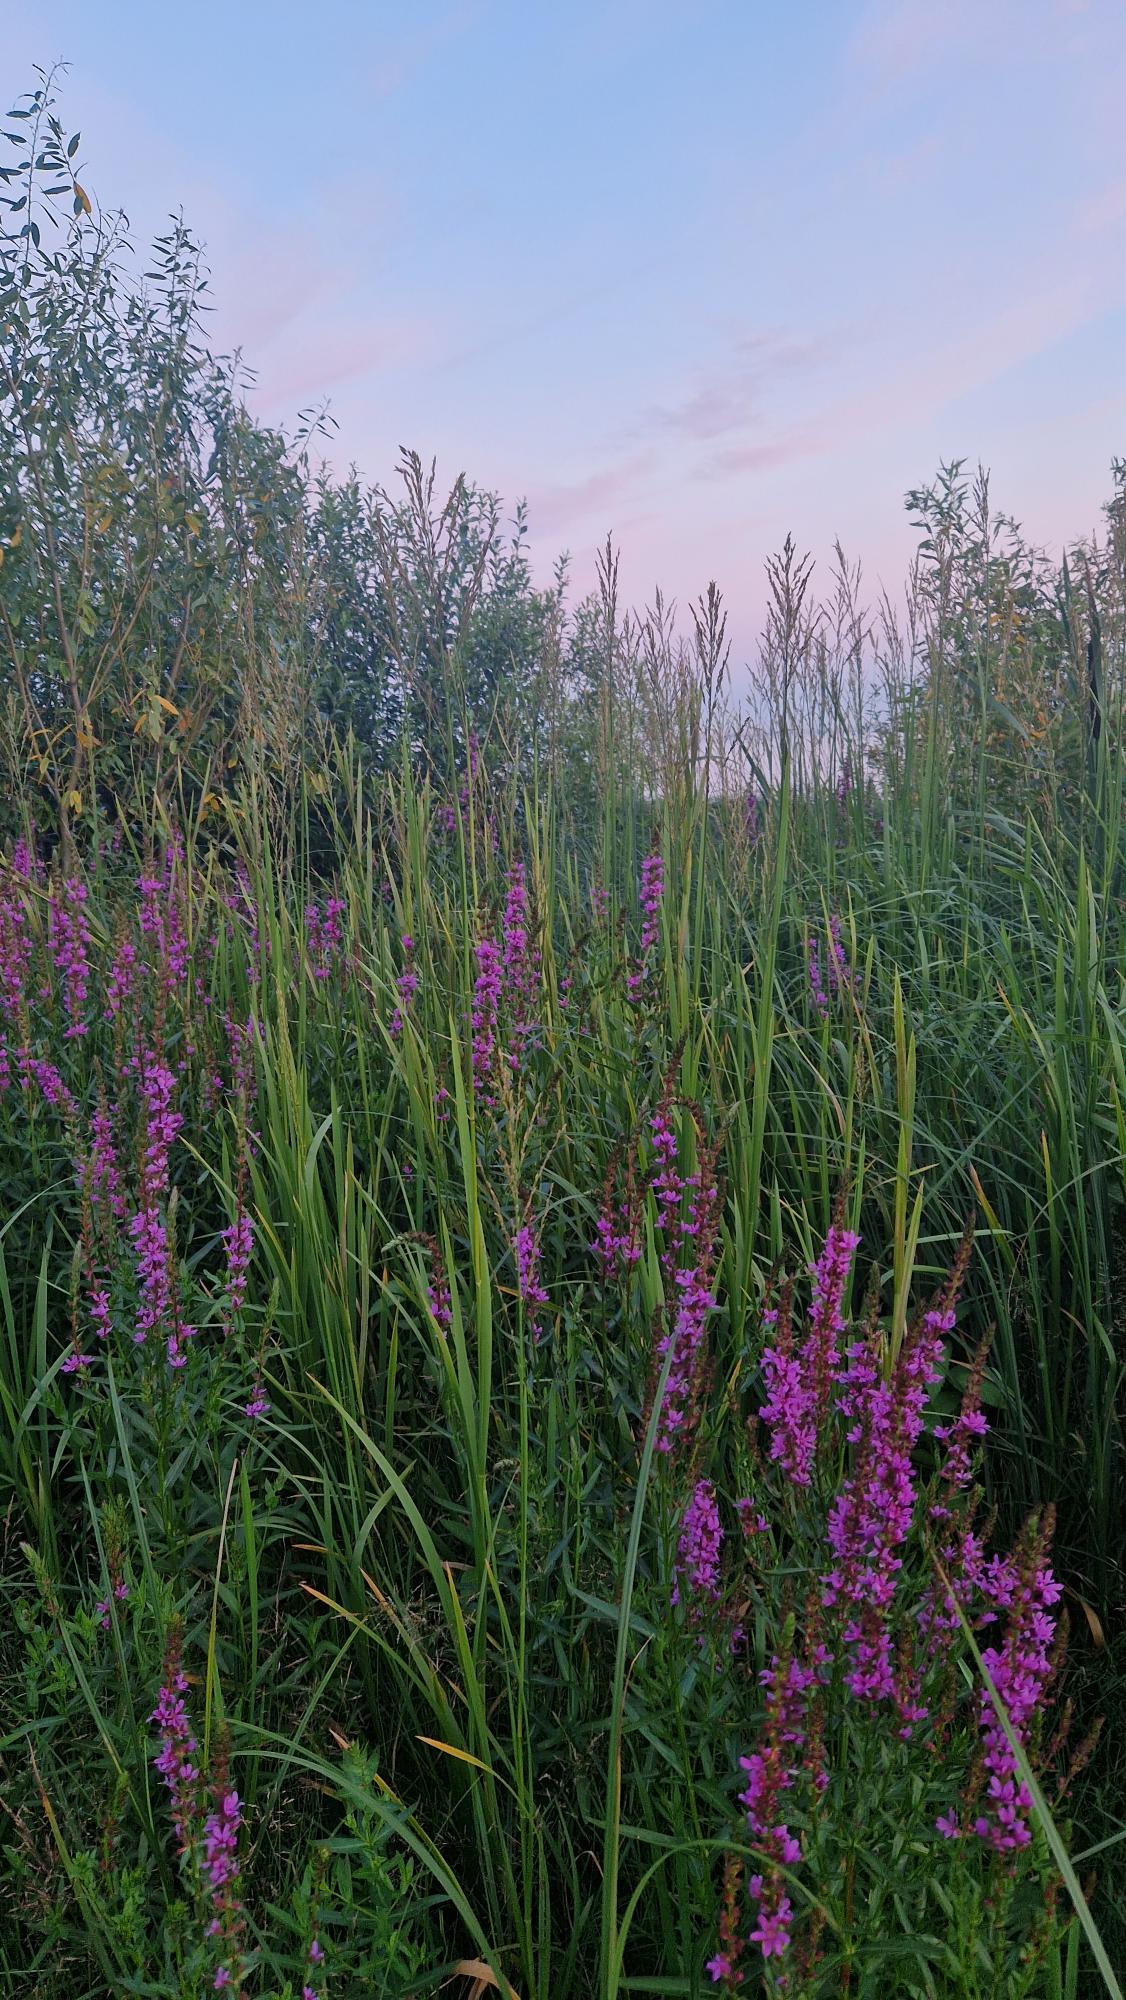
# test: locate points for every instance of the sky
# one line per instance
(696, 273)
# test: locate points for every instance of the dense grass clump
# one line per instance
(561, 1419)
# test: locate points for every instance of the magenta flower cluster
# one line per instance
(69, 934)
(238, 1243)
(406, 986)
(532, 1293)
(799, 1381)
(161, 918)
(817, 991)
(324, 936)
(770, 1771)
(651, 897)
(699, 1547)
(174, 1758)
(883, 1642)
(487, 990)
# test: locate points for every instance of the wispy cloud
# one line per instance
(896, 39)
(557, 507)
(402, 61)
(319, 356)
(737, 393)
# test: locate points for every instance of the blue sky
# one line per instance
(696, 273)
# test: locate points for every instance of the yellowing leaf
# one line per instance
(74, 801)
(483, 1978)
(1094, 1624)
(80, 195)
(451, 1750)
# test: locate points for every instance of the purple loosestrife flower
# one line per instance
(724, 1967)
(176, 1344)
(151, 1253)
(694, 1303)
(316, 1961)
(406, 986)
(652, 896)
(962, 1438)
(162, 919)
(77, 1363)
(700, 1545)
(531, 1290)
(438, 1299)
(772, 1770)
(122, 982)
(486, 998)
(788, 1409)
(54, 1091)
(1020, 1670)
(220, 1868)
(840, 976)
(240, 1055)
(830, 1276)
(872, 1515)
(162, 1124)
(69, 936)
(177, 1746)
(799, 1385)
(102, 1607)
(238, 1241)
(668, 1183)
(521, 961)
(15, 954)
(100, 1175)
(616, 1237)
(259, 1404)
(147, 1226)
(324, 936)
(697, 1302)
(816, 987)
(772, 1931)
(516, 947)
(220, 1834)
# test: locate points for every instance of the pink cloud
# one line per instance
(767, 456)
(555, 507)
(318, 357)
(411, 53)
(1104, 210)
(734, 395)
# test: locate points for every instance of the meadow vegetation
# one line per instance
(561, 1271)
